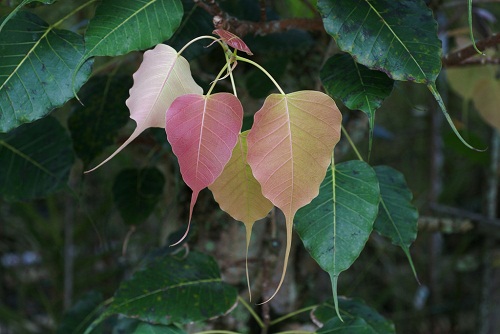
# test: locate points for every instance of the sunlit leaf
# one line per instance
(161, 78)
(396, 37)
(136, 193)
(119, 27)
(37, 65)
(289, 149)
(238, 192)
(397, 217)
(358, 87)
(336, 225)
(175, 289)
(232, 40)
(35, 160)
(203, 131)
(356, 315)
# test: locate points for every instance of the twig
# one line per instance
(458, 57)
(223, 20)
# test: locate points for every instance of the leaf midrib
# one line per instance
(27, 158)
(89, 53)
(396, 36)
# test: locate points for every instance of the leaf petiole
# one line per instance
(263, 70)
(344, 132)
(217, 78)
(215, 39)
(470, 29)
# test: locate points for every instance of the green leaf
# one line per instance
(357, 318)
(95, 124)
(38, 62)
(81, 314)
(396, 37)
(175, 288)
(36, 160)
(145, 328)
(21, 5)
(119, 27)
(358, 87)
(335, 226)
(397, 217)
(136, 193)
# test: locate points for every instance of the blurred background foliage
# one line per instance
(77, 244)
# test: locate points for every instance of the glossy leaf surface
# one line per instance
(161, 78)
(357, 318)
(175, 289)
(358, 87)
(336, 225)
(38, 62)
(396, 37)
(119, 27)
(397, 217)
(36, 159)
(289, 149)
(203, 131)
(95, 124)
(136, 193)
(233, 40)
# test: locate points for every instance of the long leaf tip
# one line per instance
(194, 197)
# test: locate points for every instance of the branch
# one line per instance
(458, 57)
(223, 20)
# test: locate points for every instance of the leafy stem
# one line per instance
(263, 70)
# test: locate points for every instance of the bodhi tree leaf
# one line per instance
(232, 40)
(95, 124)
(335, 226)
(464, 80)
(289, 150)
(136, 193)
(36, 160)
(203, 131)
(37, 62)
(396, 37)
(358, 87)
(119, 27)
(175, 289)
(397, 217)
(239, 193)
(356, 315)
(161, 78)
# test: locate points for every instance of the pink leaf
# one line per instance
(232, 40)
(162, 77)
(289, 150)
(203, 131)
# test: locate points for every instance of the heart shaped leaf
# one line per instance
(358, 87)
(336, 225)
(203, 131)
(289, 150)
(397, 217)
(239, 194)
(136, 193)
(161, 78)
